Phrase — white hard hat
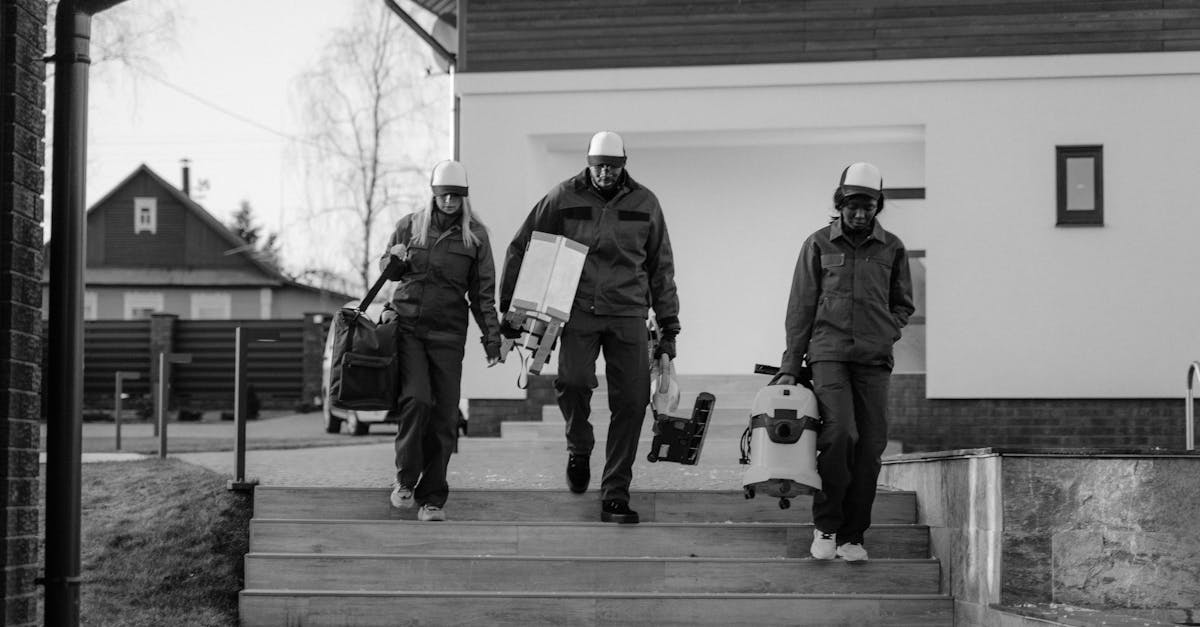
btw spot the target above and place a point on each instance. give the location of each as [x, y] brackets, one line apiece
[449, 177]
[606, 147]
[861, 178]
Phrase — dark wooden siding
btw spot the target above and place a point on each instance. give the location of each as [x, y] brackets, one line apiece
[183, 238]
[502, 35]
[122, 247]
[275, 369]
[206, 247]
[112, 345]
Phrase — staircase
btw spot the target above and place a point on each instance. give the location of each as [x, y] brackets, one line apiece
[343, 556]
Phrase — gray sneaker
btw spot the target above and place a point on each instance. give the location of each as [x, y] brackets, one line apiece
[824, 545]
[402, 497]
[431, 513]
[852, 552]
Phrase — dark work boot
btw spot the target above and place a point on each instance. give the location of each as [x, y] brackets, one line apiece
[579, 472]
[617, 512]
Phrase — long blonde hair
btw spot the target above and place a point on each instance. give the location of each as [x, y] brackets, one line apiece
[420, 223]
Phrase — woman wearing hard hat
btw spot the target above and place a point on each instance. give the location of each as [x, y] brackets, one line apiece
[445, 269]
[851, 294]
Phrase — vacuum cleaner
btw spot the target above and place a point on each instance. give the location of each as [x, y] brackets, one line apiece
[780, 443]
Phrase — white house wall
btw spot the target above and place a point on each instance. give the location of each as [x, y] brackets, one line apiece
[745, 158]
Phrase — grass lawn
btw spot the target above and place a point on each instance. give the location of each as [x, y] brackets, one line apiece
[272, 432]
[162, 544]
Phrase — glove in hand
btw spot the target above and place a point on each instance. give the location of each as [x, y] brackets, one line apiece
[508, 330]
[666, 346]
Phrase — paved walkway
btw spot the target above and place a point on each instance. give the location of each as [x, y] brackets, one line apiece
[90, 458]
[480, 463]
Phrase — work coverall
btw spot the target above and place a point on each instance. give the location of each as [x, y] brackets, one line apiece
[850, 297]
[437, 283]
[628, 270]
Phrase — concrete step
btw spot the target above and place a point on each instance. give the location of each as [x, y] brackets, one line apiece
[594, 539]
[316, 608]
[891, 507]
[720, 438]
[554, 429]
[283, 571]
[721, 415]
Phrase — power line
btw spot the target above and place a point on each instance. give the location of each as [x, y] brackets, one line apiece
[212, 105]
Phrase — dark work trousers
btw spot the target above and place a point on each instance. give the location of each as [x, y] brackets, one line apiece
[430, 378]
[852, 399]
[627, 368]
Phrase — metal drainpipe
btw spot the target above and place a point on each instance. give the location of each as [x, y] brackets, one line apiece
[64, 424]
[64, 410]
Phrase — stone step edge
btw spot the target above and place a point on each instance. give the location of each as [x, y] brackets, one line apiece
[467, 594]
[504, 491]
[585, 558]
[569, 523]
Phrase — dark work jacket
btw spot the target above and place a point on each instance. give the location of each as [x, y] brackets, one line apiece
[629, 266]
[439, 281]
[848, 303]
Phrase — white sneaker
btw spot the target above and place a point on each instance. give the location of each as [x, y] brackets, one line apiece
[431, 513]
[852, 552]
[824, 546]
[402, 497]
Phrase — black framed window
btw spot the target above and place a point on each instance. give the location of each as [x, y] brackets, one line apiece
[1080, 185]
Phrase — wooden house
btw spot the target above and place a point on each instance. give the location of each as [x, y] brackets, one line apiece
[151, 248]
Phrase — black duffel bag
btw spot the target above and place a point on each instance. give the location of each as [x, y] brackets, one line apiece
[364, 367]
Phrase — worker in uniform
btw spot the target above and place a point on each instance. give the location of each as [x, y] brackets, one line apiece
[851, 295]
[629, 270]
[442, 260]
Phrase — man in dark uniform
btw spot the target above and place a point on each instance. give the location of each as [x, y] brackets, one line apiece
[851, 294]
[629, 270]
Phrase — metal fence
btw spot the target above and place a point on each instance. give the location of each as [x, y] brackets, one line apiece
[274, 369]
[112, 345]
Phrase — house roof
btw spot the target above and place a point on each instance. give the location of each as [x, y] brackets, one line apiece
[183, 277]
[264, 275]
[440, 8]
[235, 242]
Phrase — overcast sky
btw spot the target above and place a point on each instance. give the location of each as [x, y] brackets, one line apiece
[222, 95]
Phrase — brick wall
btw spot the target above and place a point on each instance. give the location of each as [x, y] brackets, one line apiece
[486, 414]
[22, 157]
[945, 424]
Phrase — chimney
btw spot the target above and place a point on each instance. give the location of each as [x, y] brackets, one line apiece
[187, 177]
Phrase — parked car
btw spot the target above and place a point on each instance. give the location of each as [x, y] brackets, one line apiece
[357, 422]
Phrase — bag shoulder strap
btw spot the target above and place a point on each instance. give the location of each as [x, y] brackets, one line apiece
[374, 291]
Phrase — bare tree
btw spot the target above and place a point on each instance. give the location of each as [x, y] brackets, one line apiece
[126, 41]
[375, 122]
[129, 35]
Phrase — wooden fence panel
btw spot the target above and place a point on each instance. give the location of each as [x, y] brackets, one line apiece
[112, 345]
[275, 369]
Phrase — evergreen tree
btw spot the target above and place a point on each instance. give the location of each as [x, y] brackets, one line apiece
[244, 226]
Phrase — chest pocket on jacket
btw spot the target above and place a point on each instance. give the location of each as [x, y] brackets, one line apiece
[833, 274]
[633, 229]
[456, 262]
[577, 225]
[418, 260]
[878, 277]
